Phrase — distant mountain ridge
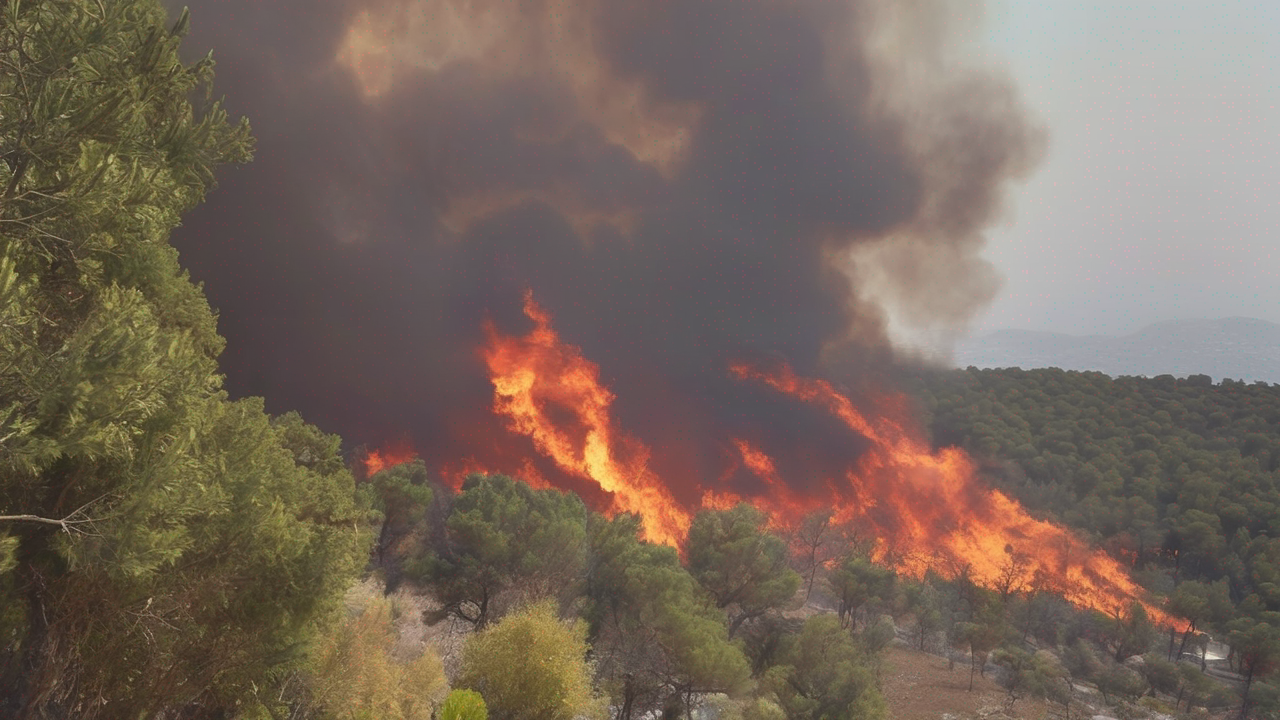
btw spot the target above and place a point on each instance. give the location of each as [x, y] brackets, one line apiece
[1237, 348]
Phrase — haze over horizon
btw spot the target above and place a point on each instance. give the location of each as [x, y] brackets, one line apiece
[1157, 199]
[1121, 333]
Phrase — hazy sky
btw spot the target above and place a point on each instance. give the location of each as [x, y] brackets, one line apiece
[1160, 194]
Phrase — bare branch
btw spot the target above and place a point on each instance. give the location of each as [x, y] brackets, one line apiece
[65, 523]
[68, 524]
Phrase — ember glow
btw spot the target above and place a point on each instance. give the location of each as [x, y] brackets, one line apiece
[537, 375]
[925, 508]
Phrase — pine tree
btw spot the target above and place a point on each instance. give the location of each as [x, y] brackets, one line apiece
[162, 549]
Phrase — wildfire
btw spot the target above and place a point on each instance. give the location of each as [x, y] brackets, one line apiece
[925, 508]
[550, 393]
[378, 460]
[455, 474]
[784, 505]
[929, 511]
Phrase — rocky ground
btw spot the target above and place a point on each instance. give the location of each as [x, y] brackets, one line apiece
[921, 686]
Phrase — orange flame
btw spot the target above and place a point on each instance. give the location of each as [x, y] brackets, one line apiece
[455, 474]
[378, 460]
[720, 500]
[926, 508]
[783, 504]
[537, 375]
[929, 511]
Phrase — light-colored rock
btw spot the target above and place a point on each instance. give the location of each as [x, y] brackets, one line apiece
[1135, 662]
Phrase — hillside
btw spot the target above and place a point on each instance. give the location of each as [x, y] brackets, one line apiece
[1238, 348]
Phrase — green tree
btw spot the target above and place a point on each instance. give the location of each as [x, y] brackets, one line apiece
[1029, 674]
[1256, 641]
[1131, 633]
[1194, 686]
[655, 637]
[165, 550]
[979, 638]
[1117, 681]
[402, 496]
[1196, 603]
[925, 606]
[825, 676]
[818, 541]
[743, 567]
[857, 581]
[464, 705]
[503, 535]
[531, 666]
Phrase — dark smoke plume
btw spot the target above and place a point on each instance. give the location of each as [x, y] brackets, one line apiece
[681, 183]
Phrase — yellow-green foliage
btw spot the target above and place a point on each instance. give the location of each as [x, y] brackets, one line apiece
[464, 705]
[762, 709]
[532, 666]
[353, 675]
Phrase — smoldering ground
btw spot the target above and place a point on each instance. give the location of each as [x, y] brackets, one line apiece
[680, 184]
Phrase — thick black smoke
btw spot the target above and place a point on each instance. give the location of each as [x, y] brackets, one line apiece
[680, 183]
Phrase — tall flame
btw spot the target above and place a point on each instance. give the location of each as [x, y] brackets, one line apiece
[537, 375]
[926, 508]
[929, 510]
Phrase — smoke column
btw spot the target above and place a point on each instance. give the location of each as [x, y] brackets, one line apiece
[682, 185]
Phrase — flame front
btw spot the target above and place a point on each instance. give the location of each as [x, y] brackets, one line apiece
[928, 510]
[534, 374]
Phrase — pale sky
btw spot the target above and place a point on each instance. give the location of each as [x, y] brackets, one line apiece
[1160, 194]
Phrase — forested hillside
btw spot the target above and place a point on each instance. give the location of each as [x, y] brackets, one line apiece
[1180, 476]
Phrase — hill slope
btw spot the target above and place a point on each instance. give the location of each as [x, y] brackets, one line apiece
[1238, 348]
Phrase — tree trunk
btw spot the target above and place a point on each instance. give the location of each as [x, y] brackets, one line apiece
[1185, 636]
[628, 701]
[1244, 699]
[26, 679]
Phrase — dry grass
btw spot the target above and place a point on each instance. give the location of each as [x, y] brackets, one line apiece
[918, 686]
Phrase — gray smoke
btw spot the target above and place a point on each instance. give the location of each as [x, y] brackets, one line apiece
[681, 184]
